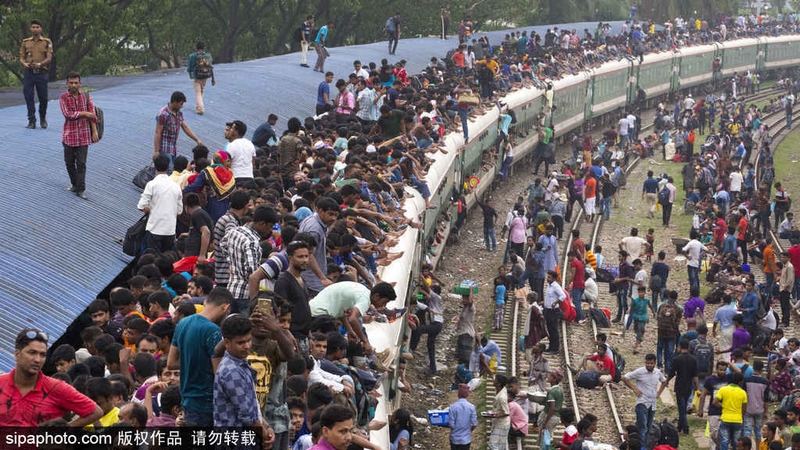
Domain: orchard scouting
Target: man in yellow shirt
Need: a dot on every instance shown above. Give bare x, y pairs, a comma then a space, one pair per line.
100, 391
732, 399
490, 63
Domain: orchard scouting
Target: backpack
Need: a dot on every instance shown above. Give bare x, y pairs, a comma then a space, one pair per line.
656, 282
134, 242
704, 353
298, 34
600, 318
619, 366
663, 195
389, 28
202, 69
763, 305
588, 379
100, 124
144, 176
663, 433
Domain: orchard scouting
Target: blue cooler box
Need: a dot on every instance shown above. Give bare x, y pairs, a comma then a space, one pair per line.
438, 418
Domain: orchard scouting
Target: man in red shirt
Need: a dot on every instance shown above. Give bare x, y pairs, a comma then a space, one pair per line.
589, 193
741, 232
719, 232
28, 397
601, 363
576, 268
80, 130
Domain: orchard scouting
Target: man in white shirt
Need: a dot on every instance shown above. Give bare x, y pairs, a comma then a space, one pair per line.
631, 126
633, 244
553, 296
242, 151
688, 103
692, 251
623, 131
162, 201
736, 182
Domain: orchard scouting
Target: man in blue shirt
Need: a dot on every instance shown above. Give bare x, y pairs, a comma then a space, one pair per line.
724, 319
324, 103
749, 304
488, 349
550, 248
265, 134
650, 193
461, 420
193, 349
235, 402
319, 47
729, 248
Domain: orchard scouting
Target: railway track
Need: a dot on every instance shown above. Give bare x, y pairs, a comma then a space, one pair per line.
578, 340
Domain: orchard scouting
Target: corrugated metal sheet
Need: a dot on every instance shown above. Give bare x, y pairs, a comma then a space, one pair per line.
59, 251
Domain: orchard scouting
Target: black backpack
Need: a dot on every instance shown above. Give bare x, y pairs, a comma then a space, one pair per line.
599, 317
202, 69
134, 242
298, 34
656, 282
663, 195
662, 433
619, 366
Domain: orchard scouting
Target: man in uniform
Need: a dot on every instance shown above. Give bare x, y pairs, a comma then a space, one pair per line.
35, 54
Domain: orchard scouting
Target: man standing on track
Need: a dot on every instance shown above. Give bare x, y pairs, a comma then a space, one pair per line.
647, 380
35, 54
590, 194
80, 130
553, 297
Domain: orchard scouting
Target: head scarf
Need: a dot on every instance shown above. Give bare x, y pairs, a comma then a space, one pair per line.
219, 177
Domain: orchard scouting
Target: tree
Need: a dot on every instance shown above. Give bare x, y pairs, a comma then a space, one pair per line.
96, 29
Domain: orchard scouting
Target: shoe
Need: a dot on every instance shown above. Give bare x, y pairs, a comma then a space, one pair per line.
43, 124
304, 65
71, 188
31, 125
81, 194
617, 320
582, 321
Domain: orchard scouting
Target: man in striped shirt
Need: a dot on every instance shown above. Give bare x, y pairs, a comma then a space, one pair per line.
241, 205
242, 245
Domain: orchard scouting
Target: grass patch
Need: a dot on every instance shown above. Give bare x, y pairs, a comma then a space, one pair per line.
787, 163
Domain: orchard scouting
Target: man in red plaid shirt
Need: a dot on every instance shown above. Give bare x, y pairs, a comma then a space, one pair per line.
80, 130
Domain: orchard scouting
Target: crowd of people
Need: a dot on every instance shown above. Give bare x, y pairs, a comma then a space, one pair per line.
258, 265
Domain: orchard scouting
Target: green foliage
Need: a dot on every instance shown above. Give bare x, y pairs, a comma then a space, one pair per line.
128, 36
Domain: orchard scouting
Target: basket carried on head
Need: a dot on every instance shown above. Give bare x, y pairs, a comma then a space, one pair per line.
679, 244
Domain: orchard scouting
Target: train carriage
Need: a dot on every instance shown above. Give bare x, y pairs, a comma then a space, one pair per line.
609, 87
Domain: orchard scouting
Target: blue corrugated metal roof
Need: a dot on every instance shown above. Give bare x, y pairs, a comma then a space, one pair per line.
58, 251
